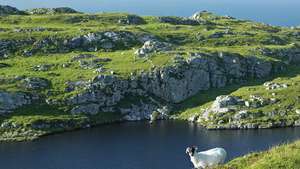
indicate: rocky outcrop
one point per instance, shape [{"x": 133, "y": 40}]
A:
[
  {"x": 34, "y": 83},
  {"x": 153, "y": 46},
  {"x": 290, "y": 55},
  {"x": 9, "y": 101},
  {"x": 169, "y": 85},
  {"x": 177, "y": 20},
  {"x": 132, "y": 20},
  {"x": 48, "y": 11},
  {"x": 8, "y": 10}
]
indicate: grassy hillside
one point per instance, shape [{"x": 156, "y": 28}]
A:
[
  {"x": 285, "y": 156},
  {"x": 33, "y": 46}
]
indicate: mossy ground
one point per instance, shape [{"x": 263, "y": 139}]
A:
[{"x": 286, "y": 156}]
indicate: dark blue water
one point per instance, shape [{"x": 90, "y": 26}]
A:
[
  {"x": 276, "y": 12},
  {"x": 134, "y": 146}
]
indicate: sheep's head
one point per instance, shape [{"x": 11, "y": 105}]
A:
[{"x": 191, "y": 151}]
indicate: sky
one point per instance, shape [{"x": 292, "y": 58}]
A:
[{"x": 276, "y": 12}]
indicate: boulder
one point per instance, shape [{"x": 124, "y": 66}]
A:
[
  {"x": 177, "y": 20},
  {"x": 224, "y": 104},
  {"x": 10, "y": 101},
  {"x": 132, "y": 20},
  {"x": 151, "y": 47},
  {"x": 43, "y": 68},
  {"x": 82, "y": 56},
  {"x": 241, "y": 115},
  {"x": 35, "y": 83}
]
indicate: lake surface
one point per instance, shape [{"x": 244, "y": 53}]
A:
[
  {"x": 276, "y": 12},
  {"x": 135, "y": 146}
]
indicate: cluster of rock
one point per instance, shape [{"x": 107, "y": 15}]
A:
[
  {"x": 108, "y": 40},
  {"x": 132, "y": 20},
  {"x": 178, "y": 20},
  {"x": 290, "y": 55},
  {"x": 50, "y": 11},
  {"x": 42, "y": 67},
  {"x": 36, "y": 29},
  {"x": 153, "y": 46},
  {"x": 232, "y": 112},
  {"x": 273, "y": 85},
  {"x": 8, "y": 47}
]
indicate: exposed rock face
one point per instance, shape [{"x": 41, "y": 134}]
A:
[
  {"x": 10, "y": 101},
  {"x": 171, "y": 84},
  {"x": 151, "y": 47},
  {"x": 8, "y": 10},
  {"x": 177, "y": 20},
  {"x": 61, "y": 10},
  {"x": 290, "y": 55},
  {"x": 90, "y": 109}
]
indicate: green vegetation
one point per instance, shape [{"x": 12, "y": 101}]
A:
[
  {"x": 37, "y": 40},
  {"x": 284, "y": 156}
]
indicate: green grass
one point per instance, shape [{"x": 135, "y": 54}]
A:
[
  {"x": 242, "y": 37},
  {"x": 286, "y": 156}
]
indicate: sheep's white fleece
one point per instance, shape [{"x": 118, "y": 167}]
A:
[{"x": 209, "y": 158}]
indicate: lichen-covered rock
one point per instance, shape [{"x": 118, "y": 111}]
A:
[{"x": 152, "y": 47}]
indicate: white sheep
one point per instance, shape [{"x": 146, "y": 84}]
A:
[{"x": 206, "y": 159}]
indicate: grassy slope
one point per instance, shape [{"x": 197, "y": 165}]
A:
[
  {"x": 288, "y": 97},
  {"x": 246, "y": 36},
  {"x": 285, "y": 156}
]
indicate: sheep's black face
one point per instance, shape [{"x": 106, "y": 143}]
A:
[{"x": 190, "y": 151}]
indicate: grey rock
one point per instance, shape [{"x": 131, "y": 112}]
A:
[
  {"x": 177, "y": 20},
  {"x": 45, "y": 67},
  {"x": 132, "y": 20},
  {"x": 34, "y": 83},
  {"x": 273, "y": 85},
  {"x": 241, "y": 115},
  {"x": 223, "y": 104},
  {"x": 9, "y": 101},
  {"x": 91, "y": 109},
  {"x": 47, "y": 11},
  {"x": 82, "y": 56},
  {"x": 151, "y": 47}
]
